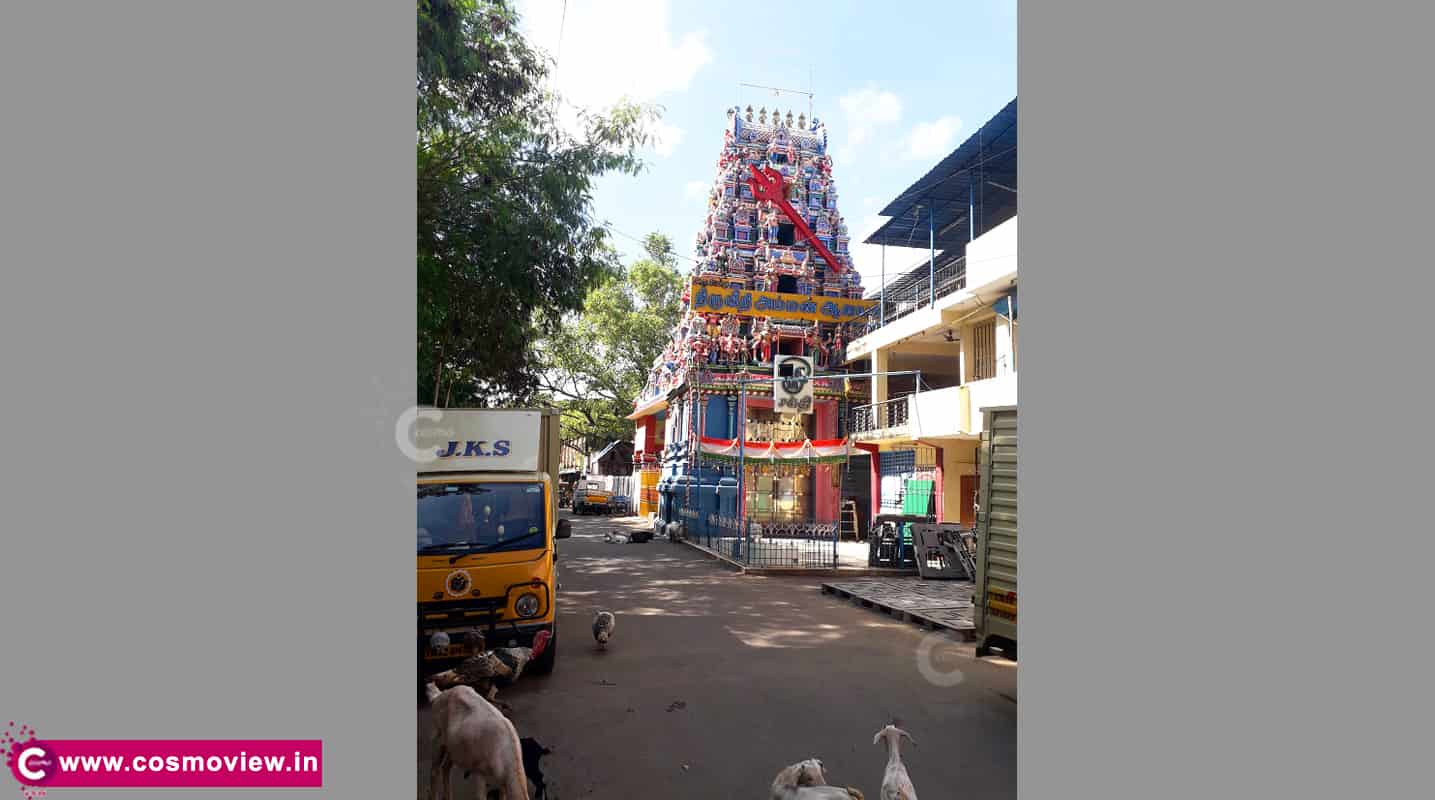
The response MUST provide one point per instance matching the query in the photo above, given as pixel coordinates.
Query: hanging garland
(735, 459)
(824, 451)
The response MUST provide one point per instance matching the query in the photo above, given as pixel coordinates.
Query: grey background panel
(207, 317)
(1211, 196)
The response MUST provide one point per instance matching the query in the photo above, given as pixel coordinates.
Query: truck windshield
(484, 517)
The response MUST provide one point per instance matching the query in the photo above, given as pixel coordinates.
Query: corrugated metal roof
(983, 169)
(605, 451)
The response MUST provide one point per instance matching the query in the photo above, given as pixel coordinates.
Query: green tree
(598, 361)
(506, 241)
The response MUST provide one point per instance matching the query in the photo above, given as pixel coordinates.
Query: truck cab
(487, 532)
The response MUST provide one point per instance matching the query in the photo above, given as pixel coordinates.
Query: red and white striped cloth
(804, 450)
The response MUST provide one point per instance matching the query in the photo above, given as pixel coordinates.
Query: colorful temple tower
(772, 278)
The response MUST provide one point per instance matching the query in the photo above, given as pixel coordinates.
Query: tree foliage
(598, 361)
(506, 242)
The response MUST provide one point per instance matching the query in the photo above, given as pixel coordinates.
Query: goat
(825, 793)
(805, 780)
(803, 773)
(896, 784)
(471, 734)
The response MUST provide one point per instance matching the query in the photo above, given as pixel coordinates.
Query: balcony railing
(886, 415)
(903, 299)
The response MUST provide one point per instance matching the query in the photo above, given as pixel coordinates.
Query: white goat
(896, 785)
(805, 780)
(803, 773)
(470, 733)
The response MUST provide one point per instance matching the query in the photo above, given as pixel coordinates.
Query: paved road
(714, 681)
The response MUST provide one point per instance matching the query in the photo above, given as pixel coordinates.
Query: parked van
(487, 531)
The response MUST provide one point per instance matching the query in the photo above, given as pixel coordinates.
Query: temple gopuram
(772, 278)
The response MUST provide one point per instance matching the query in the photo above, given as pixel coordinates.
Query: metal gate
(770, 541)
(996, 595)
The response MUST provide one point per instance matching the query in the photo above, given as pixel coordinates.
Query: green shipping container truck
(995, 595)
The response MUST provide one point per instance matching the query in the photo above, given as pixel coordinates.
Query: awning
(652, 407)
(1006, 306)
(980, 175)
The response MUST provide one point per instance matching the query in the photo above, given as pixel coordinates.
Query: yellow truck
(592, 498)
(487, 531)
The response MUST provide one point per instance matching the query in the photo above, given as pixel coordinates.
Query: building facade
(947, 327)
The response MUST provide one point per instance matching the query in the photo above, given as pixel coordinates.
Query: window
(786, 233)
(480, 517)
(984, 350)
(787, 283)
(778, 497)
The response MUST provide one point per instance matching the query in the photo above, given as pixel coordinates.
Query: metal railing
(891, 413)
(903, 299)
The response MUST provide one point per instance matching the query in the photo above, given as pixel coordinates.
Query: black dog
(532, 752)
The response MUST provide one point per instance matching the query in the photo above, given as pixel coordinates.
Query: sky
(899, 86)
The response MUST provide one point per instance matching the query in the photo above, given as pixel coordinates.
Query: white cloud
(697, 190)
(867, 258)
(666, 137)
(864, 111)
(869, 225)
(611, 49)
(933, 139)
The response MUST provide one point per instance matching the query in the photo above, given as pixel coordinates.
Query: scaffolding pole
(931, 256)
(882, 289)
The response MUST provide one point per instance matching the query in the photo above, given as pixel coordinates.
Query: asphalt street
(714, 681)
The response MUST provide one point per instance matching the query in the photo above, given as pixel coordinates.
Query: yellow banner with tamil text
(778, 305)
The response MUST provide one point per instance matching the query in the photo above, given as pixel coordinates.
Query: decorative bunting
(805, 450)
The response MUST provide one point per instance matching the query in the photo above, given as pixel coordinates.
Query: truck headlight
(527, 605)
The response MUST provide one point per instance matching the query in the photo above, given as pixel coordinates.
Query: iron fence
(764, 544)
(906, 296)
(891, 413)
(759, 540)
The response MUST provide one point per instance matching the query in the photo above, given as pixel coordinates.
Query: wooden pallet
(930, 604)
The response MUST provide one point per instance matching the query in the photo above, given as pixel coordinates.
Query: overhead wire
(670, 251)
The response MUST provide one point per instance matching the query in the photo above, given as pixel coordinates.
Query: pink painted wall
(828, 497)
(937, 500)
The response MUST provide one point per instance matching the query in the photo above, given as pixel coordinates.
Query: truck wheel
(544, 663)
